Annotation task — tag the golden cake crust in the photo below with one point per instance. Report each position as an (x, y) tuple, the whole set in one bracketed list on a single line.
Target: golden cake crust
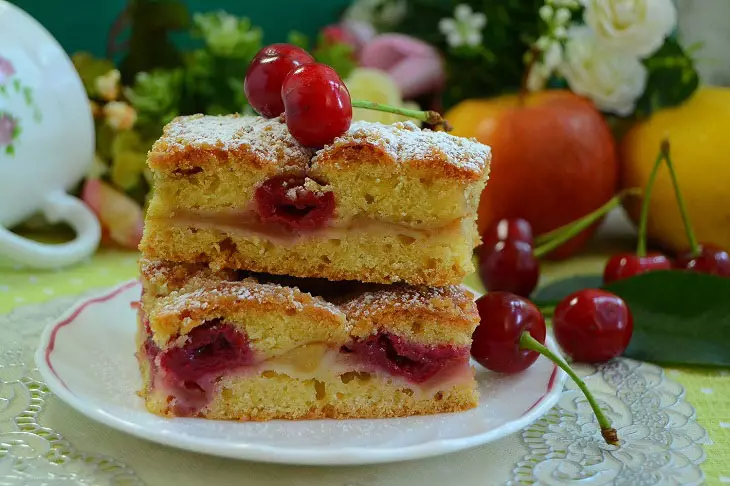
[(422, 314), (404, 143), (199, 142)]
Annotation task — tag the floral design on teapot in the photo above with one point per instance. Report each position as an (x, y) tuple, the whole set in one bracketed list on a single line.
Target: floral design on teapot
[(10, 125)]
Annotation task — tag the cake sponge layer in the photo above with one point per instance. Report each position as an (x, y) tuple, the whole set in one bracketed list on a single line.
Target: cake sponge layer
[(436, 259), (278, 396)]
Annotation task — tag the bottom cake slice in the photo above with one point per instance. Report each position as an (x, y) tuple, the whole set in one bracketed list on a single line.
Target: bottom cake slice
[(223, 345)]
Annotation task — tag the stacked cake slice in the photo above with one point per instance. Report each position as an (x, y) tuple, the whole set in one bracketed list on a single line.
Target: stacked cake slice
[(280, 282)]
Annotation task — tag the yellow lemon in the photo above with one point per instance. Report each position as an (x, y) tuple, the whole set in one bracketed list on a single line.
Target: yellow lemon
[(699, 137), (375, 85)]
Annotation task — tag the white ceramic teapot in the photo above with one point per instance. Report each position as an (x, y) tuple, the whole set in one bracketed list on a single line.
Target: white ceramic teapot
[(46, 142)]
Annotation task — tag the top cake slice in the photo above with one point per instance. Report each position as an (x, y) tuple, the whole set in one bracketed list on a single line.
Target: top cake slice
[(382, 203)]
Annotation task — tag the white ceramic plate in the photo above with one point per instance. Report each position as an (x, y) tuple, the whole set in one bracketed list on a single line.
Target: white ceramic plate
[(87, 359)]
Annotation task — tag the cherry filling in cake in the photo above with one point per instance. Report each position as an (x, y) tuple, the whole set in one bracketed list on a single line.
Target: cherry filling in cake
[(187, 374), (190, 371), (413, 361), (296, 202)]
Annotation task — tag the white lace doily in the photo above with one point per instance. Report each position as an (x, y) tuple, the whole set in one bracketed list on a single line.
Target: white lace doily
[(662, 442)]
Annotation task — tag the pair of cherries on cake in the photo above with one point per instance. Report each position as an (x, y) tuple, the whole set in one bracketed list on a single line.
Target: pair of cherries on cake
[(285, 79)]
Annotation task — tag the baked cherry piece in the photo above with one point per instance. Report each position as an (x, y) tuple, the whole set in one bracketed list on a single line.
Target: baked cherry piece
[(592, 325), (317, 104), (712, 260), (510, 266), (516, 229), (625, 265), (266, 74), (496, 341), (286, 200)]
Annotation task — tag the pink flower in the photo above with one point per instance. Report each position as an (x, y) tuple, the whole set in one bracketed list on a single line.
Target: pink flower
[(415, 66), (7, 127), (6, 70)]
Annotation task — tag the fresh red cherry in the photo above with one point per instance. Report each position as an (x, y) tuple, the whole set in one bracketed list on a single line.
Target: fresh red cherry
[(510, 337), (712, 260), (593, 325), (266, 74), (287, 201), (517, 229), (496, 341), (510, 266), (625, 265), (317, 104)]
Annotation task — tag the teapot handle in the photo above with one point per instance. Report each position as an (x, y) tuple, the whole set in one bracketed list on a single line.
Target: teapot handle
[(57, 207)]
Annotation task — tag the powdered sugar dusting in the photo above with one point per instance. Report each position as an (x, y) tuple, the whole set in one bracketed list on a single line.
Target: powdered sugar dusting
[(267, 138), (453, 299), (406, 142), (200, 294)]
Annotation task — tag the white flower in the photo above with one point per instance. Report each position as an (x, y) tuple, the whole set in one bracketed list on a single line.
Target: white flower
[(613, 79), (634, 26), (377, 12), (540, 72), (119, 115), (107, 85), (465, 29)]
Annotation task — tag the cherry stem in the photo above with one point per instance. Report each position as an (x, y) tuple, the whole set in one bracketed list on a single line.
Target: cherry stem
[(644, 218), (693, 245), (609, 433), (429, 116), (548, 242)]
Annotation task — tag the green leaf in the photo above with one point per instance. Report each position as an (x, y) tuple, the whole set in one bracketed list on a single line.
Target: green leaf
[(680, 318), (672, 78), (556, 291)]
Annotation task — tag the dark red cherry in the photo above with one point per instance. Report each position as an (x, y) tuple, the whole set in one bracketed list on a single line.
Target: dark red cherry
[(287, 201), (625, 265), (712, 260), (593, 325), (317, 104), (496, 341), (516, 229), (266, 74), (510, 266)]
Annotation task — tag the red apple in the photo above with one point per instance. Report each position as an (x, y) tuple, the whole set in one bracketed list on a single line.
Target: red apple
[(553, 159)]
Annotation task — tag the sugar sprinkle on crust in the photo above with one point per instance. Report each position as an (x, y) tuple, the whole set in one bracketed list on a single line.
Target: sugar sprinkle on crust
[(406, 143), (198, 140), (191, 299)]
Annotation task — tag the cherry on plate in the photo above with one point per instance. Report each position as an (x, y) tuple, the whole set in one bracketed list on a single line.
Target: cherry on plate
[(496, 341)]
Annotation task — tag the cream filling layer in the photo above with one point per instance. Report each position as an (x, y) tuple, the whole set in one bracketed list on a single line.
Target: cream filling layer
[(246, 224), (321, 362)]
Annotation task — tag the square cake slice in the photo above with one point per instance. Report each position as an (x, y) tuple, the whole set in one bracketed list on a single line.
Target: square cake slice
[(241, 347), (381, 204)]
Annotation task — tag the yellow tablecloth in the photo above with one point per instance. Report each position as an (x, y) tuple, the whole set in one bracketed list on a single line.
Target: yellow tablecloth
[(707, 390)]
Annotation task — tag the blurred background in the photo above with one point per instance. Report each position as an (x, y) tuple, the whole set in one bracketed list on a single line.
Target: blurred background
[(497, 69)]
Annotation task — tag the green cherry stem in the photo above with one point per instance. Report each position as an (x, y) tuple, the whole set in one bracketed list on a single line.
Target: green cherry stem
[(429, 116), (548, 242), (693, 245), (607, 431), (644, 218)]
